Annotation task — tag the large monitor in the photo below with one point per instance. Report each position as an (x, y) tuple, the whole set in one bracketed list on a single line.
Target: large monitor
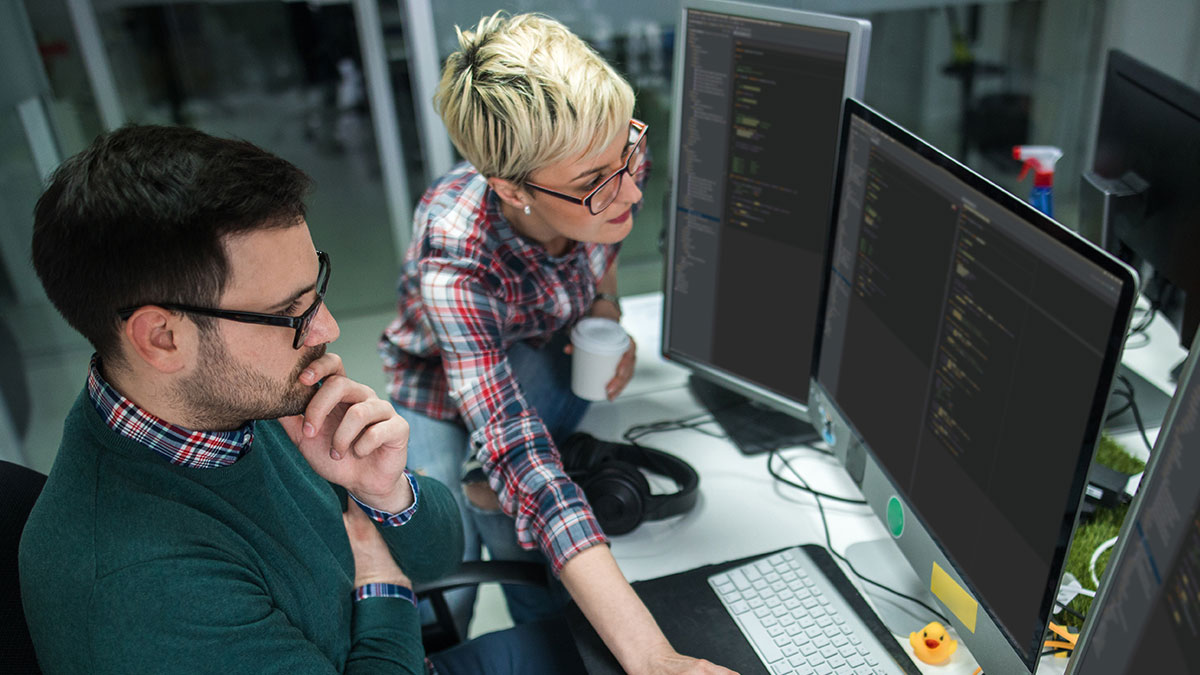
[(757, 102), (1146, 616), (1144, 176), (968, 349)]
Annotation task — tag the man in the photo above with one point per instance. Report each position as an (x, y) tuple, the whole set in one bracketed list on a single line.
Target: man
[(176, 533)]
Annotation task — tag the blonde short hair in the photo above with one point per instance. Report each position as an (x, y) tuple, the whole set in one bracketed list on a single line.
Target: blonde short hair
[(524, 92)]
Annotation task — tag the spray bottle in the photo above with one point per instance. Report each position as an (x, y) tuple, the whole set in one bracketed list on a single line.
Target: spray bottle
[(1041, 158)]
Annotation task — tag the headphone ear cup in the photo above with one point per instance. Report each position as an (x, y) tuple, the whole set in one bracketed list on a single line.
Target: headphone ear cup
[(578, 453), (618, 493)]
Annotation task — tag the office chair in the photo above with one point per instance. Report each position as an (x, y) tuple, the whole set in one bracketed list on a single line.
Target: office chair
[(443, 634), (19, 489)]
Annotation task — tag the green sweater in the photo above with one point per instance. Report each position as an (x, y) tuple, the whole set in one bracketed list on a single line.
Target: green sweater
[(130, 564)]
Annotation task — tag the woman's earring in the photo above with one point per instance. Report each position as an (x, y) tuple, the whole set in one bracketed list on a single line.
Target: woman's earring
[(526, 209)]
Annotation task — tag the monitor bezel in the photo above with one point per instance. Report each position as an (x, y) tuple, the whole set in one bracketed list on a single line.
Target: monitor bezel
[(918, 544), (1107, 594), (857, 53)]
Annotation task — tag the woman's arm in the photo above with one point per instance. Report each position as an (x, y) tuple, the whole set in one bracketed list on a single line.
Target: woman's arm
[(622, 621)]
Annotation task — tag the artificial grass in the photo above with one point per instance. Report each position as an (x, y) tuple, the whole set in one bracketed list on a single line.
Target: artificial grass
[(1103, 525)]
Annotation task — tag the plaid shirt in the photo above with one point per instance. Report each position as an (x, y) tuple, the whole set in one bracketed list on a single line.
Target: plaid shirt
[(209, 450), (470, 288)]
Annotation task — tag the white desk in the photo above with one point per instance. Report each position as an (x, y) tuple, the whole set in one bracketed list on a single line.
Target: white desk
[(742, 511)]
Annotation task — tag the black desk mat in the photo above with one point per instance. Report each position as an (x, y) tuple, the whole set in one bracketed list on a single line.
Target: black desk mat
[(697, 624)]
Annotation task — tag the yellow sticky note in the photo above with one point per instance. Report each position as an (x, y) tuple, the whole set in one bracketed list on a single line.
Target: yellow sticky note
[(955, 597)]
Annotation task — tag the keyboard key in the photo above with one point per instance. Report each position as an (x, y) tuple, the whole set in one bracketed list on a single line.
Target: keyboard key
[(855, 661), (837, 662), (739, 580), (782, 668), (739, 607)]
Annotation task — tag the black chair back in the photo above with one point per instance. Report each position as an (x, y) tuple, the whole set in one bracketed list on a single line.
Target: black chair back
[(19, 489)]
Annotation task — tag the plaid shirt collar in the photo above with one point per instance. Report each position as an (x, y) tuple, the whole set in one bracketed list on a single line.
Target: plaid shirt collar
[(180, 446)]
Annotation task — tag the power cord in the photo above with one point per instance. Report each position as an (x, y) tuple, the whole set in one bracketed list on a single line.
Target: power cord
[(779, 477), (829, 540), (1133, 408), (691, 423)]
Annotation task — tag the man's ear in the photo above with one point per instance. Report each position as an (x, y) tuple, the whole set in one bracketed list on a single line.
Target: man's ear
[(161, 339), (509, 192)]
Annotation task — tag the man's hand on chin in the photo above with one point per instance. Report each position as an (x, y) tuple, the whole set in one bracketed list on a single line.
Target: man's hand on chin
[(352, 438)]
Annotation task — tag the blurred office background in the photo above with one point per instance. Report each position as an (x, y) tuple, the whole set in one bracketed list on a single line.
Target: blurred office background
[(342, 88)]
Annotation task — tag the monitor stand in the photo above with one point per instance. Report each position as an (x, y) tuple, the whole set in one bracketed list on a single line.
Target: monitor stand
[(881, 561), (752, 426), (1151, 401)]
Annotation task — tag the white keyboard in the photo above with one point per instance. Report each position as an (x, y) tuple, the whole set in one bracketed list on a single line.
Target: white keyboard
[(796, 619)]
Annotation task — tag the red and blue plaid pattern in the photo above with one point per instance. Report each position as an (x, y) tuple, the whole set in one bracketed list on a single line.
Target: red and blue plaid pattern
[(180, 446), (393, 519), (470, 288), (381, 590)]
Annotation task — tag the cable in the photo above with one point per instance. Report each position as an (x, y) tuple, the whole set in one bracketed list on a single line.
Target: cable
[(1137, 415), (774, 474), (692, 422), (1068, 610), (829, 540), (1144, 322)]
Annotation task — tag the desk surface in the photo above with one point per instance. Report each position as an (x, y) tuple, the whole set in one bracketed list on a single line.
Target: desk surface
[(742, 511)]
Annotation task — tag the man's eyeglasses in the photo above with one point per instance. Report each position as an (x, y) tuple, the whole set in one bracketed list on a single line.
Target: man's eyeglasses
[(300, 323), (606, 193)]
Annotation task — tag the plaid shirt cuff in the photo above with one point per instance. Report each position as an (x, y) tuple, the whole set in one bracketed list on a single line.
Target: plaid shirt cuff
[(567, 533), (385, 591), (394, 519)]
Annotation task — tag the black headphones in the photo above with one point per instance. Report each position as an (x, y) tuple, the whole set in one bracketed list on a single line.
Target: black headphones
[(619, 493)]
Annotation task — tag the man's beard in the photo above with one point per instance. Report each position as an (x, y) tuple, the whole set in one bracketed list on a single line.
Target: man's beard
[(225, 394)]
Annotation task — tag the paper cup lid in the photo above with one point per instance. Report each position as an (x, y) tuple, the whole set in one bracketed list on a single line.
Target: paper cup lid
[(600, 336)]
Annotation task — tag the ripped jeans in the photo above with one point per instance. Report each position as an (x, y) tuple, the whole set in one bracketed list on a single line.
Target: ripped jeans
[(439, 449)]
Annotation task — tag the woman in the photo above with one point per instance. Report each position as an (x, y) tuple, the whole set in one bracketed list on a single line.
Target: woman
[(511, 249)]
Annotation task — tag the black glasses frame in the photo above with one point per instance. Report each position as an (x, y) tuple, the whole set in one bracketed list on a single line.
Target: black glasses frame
[(300, 323), (635, 126)]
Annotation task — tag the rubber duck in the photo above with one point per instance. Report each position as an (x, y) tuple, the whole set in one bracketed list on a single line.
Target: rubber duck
[(932, 644)]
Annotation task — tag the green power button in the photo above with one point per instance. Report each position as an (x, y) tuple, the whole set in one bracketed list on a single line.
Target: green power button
[(895, 517)]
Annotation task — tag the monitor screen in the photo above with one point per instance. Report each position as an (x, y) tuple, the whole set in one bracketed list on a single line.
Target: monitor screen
[(758, 98), (967, 352), (1148, 141), (1146, 617)]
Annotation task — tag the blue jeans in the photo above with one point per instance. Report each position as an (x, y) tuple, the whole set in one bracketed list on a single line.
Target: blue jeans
[(439, 449), (528, 649)]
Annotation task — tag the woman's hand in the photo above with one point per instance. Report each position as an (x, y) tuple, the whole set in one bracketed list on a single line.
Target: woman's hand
[(624, 371)]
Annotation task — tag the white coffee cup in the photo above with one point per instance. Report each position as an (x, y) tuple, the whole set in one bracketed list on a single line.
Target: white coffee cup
[(598, 345)]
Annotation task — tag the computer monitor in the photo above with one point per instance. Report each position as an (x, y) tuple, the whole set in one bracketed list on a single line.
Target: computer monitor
[(967, 350), (757, 100), (1140, 199), (1146, 615)]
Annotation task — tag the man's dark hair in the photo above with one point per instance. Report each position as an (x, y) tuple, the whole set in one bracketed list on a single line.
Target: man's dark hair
[(139, 216)]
